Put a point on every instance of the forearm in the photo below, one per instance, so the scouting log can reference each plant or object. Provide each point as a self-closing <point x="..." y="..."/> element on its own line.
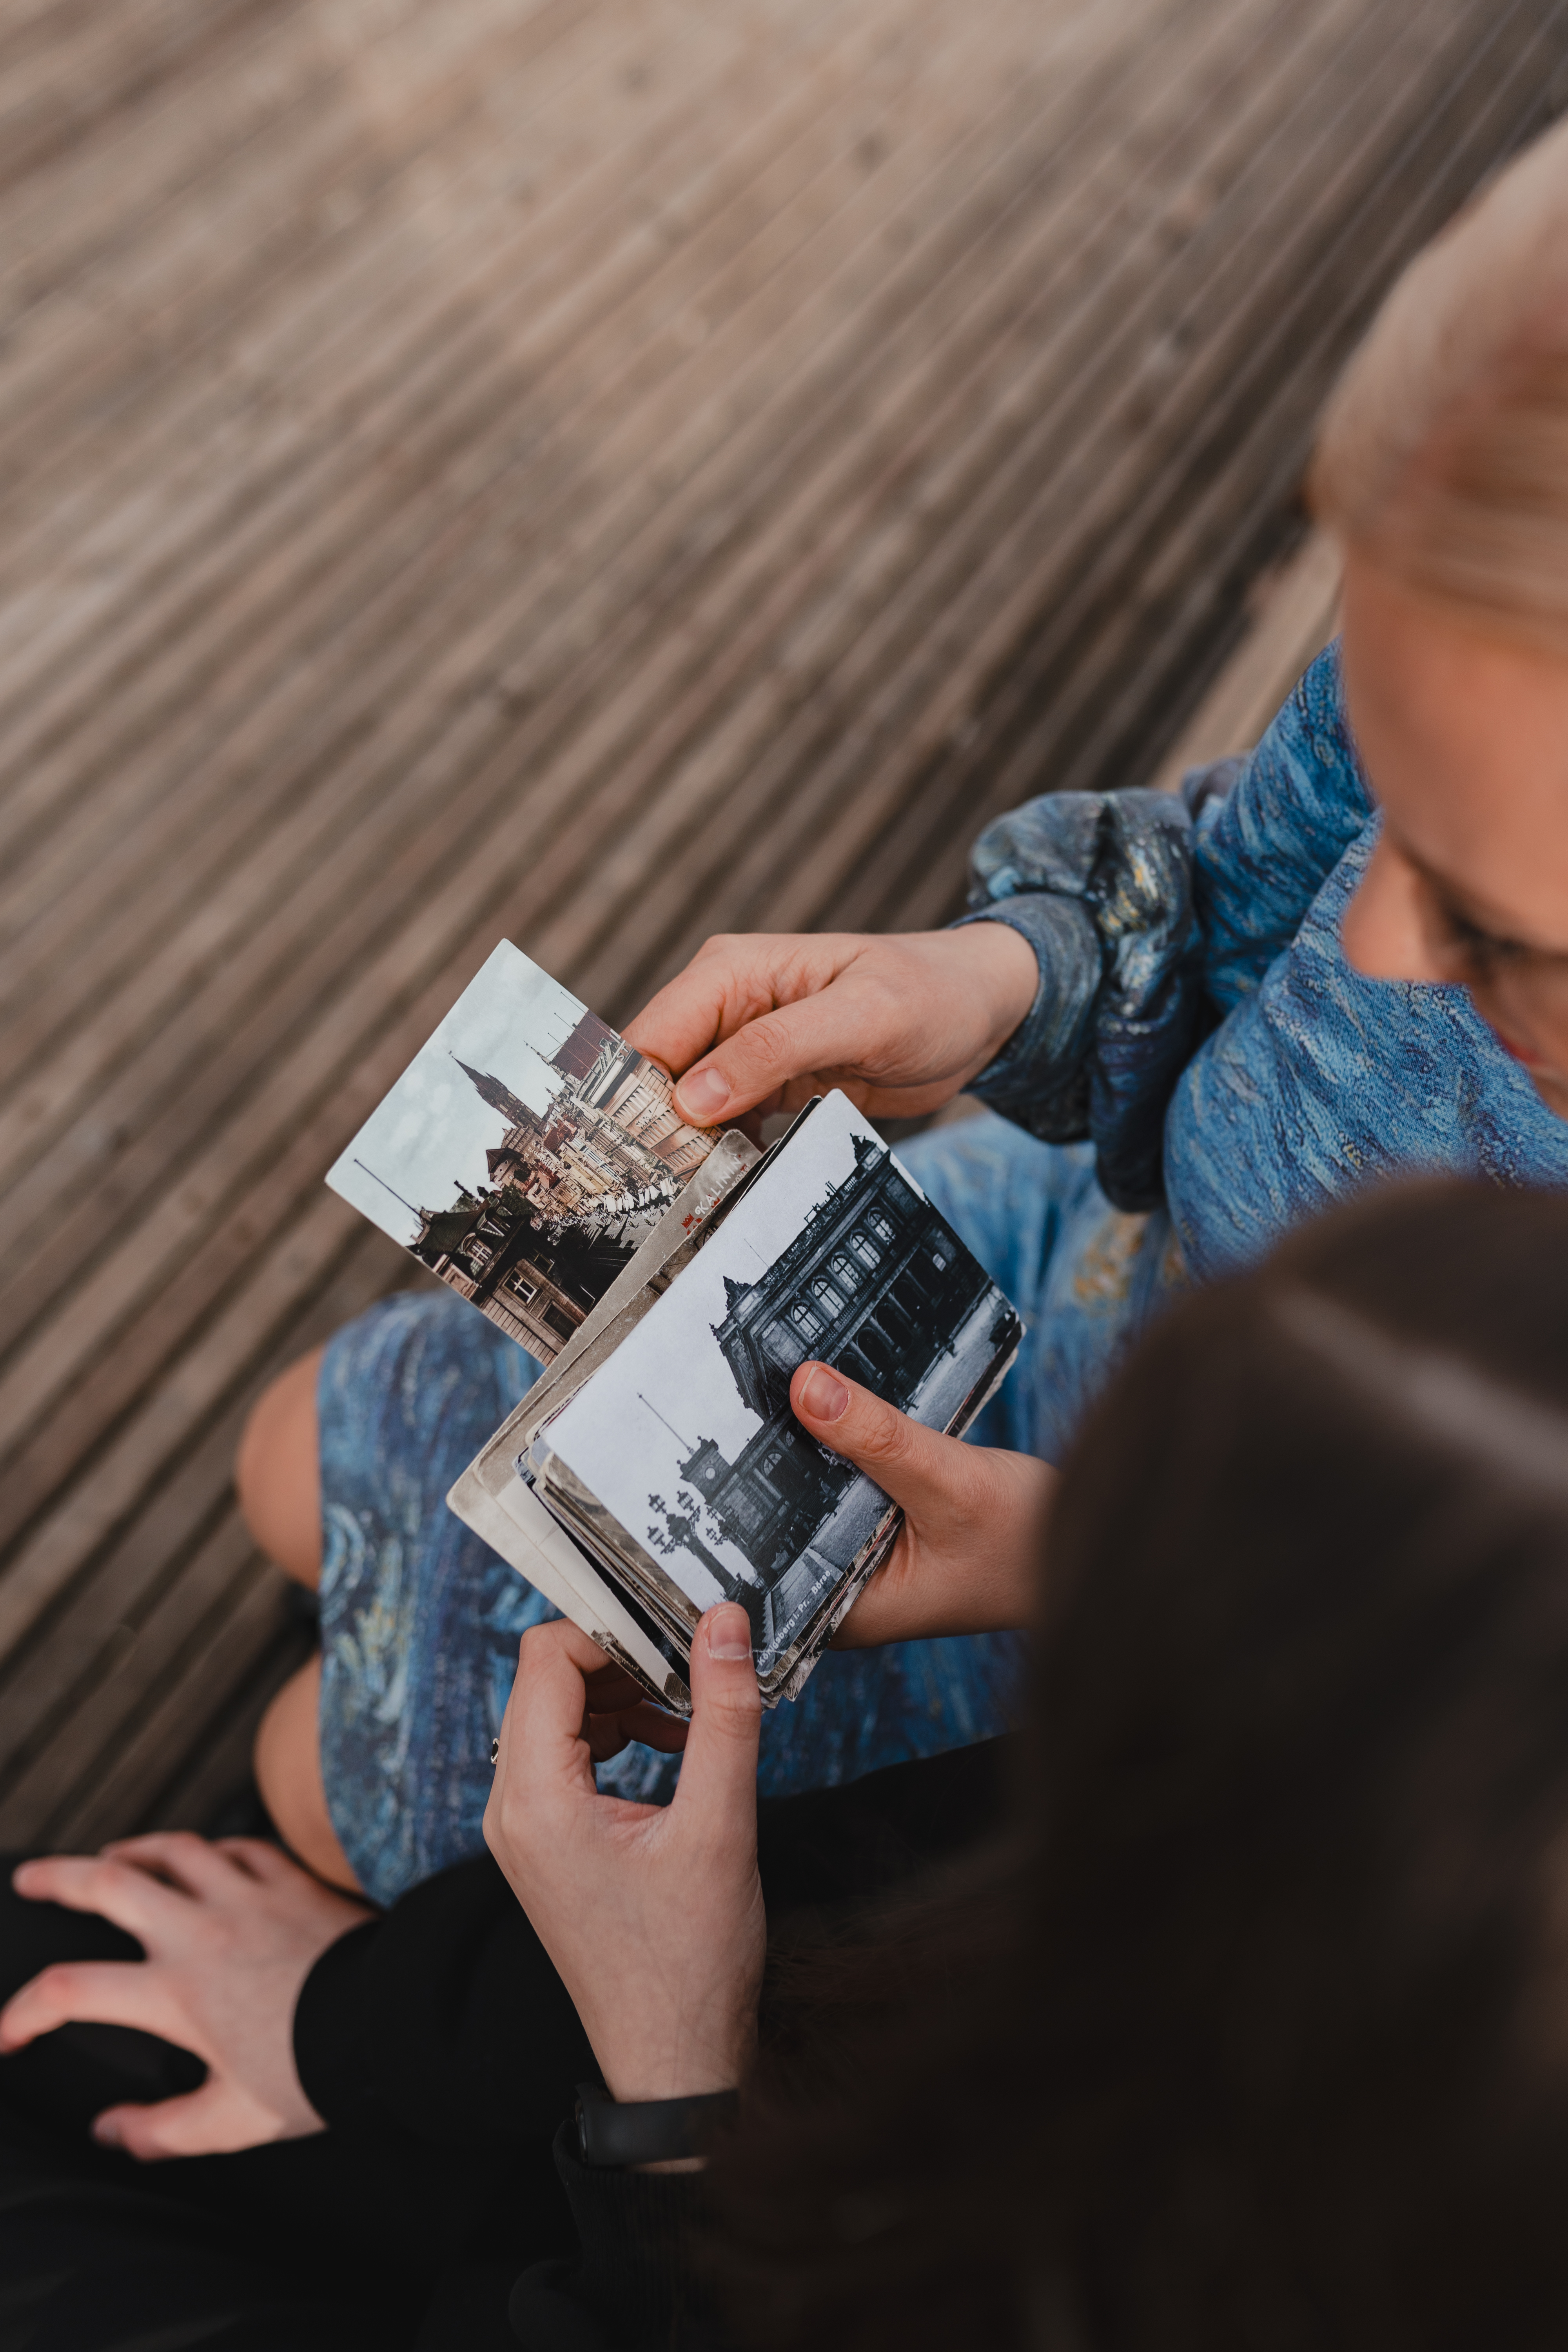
<point x="445" y="2017"/>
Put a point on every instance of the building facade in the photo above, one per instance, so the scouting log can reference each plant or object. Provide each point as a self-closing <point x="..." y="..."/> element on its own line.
<point x="870" y="1282"/>
<point x="572" y="1190"/>
<point x="538" y="1287"/>
<point x="629" y="1091"/>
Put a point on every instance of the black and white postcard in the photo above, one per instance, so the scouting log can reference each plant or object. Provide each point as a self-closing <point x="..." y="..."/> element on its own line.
<point x="524" y="1155"/>
<point x="684" y="1435"/>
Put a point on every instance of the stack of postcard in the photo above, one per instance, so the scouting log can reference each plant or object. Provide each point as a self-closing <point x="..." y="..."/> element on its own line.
<point x="671" y="1279"/>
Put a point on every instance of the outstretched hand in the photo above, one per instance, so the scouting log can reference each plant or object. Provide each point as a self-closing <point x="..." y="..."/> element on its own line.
<point x="760" y="1023"/>
<point x="967" y="1557"/>
<point x="652" y="1914"/>
<point x="231" y="1931"/>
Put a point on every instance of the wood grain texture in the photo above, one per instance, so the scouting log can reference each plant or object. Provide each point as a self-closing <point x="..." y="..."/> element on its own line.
<point x="595" y="472"/>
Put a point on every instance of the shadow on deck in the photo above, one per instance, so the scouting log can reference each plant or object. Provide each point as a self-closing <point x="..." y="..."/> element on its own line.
<point x="593" y="473"/>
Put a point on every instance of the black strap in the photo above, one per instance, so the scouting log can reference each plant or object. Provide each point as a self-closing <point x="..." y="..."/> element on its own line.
<point x="646" y="2131"/>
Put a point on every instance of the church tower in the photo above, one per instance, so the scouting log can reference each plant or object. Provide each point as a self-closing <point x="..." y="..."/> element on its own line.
<point x="512" y="1108"/>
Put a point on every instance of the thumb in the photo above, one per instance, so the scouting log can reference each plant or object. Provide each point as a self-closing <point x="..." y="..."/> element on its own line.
<point x="718" y="1784"/>
<point x="824" y="1032"/>
<point x="217" y="2120"/>
<point x="915" y="1466"/>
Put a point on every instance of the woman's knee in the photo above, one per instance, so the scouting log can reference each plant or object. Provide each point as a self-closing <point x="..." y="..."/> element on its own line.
<point x="287" y="1762"/>
<point x="276" y="1472"/>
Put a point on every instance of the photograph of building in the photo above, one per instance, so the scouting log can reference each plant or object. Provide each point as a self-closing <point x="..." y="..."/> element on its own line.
<point x="524" y="1155"/>
<point x="834" y="1253"/>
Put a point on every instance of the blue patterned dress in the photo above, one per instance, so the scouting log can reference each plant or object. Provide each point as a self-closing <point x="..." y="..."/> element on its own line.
<point x="1201" y="1069"/>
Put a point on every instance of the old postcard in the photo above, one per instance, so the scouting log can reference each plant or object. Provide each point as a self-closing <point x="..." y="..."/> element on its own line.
<point x="524" y="1154"/>
<point x="684" y="1435"/>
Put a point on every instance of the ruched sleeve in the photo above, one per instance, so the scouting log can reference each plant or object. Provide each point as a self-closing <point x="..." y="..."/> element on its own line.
<point x="1100" y="886"/>
<point x="1152" y="915"/>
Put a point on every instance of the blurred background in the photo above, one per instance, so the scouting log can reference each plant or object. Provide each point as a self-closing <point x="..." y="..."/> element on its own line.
<point x="593" y="472"/>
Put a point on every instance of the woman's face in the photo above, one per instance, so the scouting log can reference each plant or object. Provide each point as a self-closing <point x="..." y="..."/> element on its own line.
<point x="1464" y="738"/>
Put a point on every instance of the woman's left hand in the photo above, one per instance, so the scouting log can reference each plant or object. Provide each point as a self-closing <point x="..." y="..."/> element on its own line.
<point x="652" y="1914"/>
<point x="231" y="1931"/>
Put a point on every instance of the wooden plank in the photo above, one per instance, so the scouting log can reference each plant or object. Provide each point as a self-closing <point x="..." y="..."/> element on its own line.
<point x="1295" y="614"/>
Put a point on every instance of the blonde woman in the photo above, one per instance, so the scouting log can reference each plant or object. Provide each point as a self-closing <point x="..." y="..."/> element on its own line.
<point x="1197" y="1022"/>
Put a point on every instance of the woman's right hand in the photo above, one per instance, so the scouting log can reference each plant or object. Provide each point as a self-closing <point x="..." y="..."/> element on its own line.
<point x="760" y="1023"/>
<point x="968" y="1556"/>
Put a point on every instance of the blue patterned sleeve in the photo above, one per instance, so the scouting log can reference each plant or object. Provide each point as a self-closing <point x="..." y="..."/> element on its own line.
<point x="1150" y="914"/>
<point x="1100" y="886"/>
<point x="1263" y="849"/>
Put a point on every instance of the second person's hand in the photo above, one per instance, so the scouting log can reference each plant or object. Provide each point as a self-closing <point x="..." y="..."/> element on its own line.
<point x="652" y="1914"/>
<point x="968" y="1556"/>
<point x="761" y="1022"/>
<point x="231" y="1931"/>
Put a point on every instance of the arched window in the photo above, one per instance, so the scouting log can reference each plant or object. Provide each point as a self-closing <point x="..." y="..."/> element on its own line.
<point x="804" y="1321"/>
<point x="845" y="1271"/>
<point x="865" y="1249"/>
<point x="830" y="1300"/>
<point x="881" y="1224"/>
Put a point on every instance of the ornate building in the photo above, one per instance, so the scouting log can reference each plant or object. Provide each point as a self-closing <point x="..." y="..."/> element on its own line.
<point x="629" y="1091"/>
<point x="871" y="1282"/>
<point x="570" y="1194"/>
<point x="537" y="1286"/>
<point x="511" y="1107"/>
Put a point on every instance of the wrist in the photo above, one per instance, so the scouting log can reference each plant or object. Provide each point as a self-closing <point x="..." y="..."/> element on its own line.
<point x="683" y="2068"/>
<point x="1008" y="970"/>
<point x="649" y="2135"/>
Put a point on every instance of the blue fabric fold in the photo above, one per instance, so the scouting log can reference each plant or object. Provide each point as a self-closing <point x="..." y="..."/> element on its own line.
<point x="1100" y="886"/>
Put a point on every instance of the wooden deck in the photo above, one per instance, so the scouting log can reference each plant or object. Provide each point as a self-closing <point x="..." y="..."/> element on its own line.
<point x="592" y="471"/>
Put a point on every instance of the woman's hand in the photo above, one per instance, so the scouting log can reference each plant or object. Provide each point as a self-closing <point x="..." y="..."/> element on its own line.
<point x="652" y="1914"/>
<point x="967" y="1557"/>
<point x="231" y="1931"/>
<point x="761" y="1022"/>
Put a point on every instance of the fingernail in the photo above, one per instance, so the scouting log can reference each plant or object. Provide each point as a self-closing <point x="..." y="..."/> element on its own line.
<point x="702" y="1097"/>
<point x="824" y="1397"/>
<point x="106" y="2131"/>
<point x="729" y="1633"/>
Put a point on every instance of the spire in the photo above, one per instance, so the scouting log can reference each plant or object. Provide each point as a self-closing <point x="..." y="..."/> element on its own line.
<point x="499" y="1097"/>
<point x="735" y="1293"/>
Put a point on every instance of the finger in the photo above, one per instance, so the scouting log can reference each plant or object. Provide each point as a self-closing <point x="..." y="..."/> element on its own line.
<point x="182" y="1860"/>
<point x="929" y="1475"/>
<point x="834" y="1029"/>
<point x="688" y="1015"/>
<point x="646" y="1724"/>
<point x="543" y="1757"/>
<point x="717" y="1791"/>
<point x="612" y="1689"/>
<point x="90" y="1992"/>
<point x="259" y="1859"/>
<point x="117" y="1891"/>
<point x="218" y="2119"/>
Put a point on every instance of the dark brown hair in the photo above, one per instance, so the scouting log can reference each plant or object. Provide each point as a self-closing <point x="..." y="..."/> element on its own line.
<point x="1253" y="2030"/>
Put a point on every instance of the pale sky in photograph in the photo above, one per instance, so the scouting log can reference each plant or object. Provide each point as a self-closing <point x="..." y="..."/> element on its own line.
<point x="431" y="1132"/>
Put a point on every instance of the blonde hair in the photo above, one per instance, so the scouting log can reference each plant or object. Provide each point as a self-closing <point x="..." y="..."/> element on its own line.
<point x="1443" y="454"/>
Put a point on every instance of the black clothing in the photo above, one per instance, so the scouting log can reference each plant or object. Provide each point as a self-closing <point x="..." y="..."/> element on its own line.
<point x="439" y="2045"/>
